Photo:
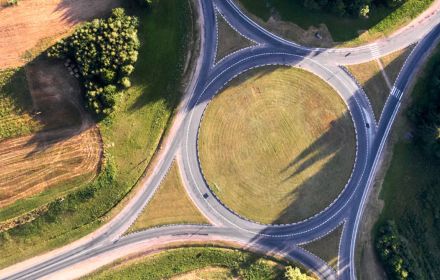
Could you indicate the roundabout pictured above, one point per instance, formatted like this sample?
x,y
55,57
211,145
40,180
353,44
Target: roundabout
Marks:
x,y
277,145
345,205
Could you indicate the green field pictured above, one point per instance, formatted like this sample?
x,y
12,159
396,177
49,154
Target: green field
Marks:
x,y
277,145
411,192
158,211
382,21
175,262
131,136
15,104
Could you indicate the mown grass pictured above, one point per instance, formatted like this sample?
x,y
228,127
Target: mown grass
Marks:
x,y
327,248
411,194
179,261
169,205
131,136
382,20
372,80
229,40
277,145
27,204
15,105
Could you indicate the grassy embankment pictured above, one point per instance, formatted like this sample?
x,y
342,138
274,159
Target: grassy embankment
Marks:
x,y
327,248
409,190
15,105
382,21
372,79
277,145
159,210
176,262
131,136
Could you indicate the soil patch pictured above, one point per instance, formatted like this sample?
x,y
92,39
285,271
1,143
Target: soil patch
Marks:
x,y
33,22
68,146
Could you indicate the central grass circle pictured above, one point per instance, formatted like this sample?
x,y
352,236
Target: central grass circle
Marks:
x,y
278,145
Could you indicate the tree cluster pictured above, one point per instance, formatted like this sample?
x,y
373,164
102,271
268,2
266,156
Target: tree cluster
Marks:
x,y
352,8
395,254
425,115
104,51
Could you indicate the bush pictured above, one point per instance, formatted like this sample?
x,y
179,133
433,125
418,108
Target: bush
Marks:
x,y
105,51
395,254
293,273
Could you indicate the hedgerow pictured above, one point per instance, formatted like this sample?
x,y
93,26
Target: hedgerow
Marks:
x,y
104,52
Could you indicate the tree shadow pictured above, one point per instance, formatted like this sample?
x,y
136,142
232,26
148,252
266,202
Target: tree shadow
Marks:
x,y
77,11
164,46
336,148
57,103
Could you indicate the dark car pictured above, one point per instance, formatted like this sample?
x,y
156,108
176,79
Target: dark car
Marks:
x,y
205,195
367,125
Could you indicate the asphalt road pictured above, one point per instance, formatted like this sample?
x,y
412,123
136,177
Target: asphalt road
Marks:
x,y
346,209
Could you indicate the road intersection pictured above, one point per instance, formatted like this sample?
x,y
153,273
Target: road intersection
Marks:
x,y
210,78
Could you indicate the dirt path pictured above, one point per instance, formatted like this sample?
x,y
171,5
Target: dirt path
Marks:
x,y
68,146
32,22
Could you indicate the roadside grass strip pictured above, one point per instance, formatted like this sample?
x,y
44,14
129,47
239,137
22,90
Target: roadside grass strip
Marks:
x,y
349,31
278,145
228,39
370,75
410,189
169,205
327,247
177,262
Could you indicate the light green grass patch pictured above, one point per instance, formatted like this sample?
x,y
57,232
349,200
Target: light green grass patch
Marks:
x,y
169,205
15,105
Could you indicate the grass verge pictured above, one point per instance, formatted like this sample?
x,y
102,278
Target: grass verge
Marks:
x,y
327,248
372,79
15,105
229,40
277,145
158,211
353,31
130,136
175,262
410,191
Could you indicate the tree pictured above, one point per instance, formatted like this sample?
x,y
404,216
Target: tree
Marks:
x,y
365,10
293,273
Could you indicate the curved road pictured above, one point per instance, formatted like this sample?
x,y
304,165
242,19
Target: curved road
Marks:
x,y
227,226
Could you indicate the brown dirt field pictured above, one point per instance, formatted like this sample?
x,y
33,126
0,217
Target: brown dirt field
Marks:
x,y
68,146
26,25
